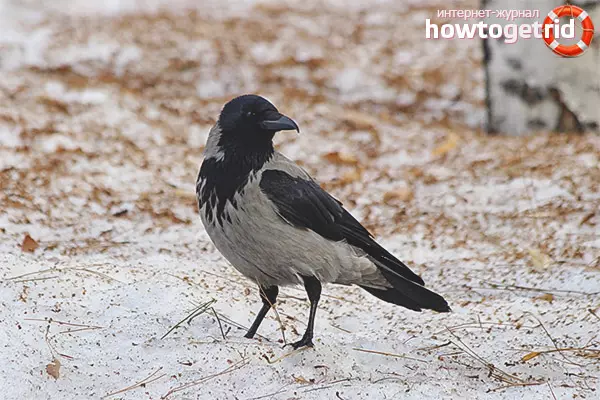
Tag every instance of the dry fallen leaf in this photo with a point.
(350, 176)
(185, 194)
(24, 294)
(546, 297)
(587, 218)
(415, 172)
(53, 369)
(539, 259)
(359, 120)
(449, 144)
(302, 380)
(529, 356)
(337, 157)
(54, 104)
(404, 194)
(29, 244)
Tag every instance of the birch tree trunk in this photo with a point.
(529, 88)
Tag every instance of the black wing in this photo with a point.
(304, 204)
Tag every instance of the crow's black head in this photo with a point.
(251, 120)
(242, 144)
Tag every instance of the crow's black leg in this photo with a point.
(268, 294)
(313, 289)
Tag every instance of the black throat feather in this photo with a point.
(221, 178)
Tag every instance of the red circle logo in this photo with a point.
(568, 11)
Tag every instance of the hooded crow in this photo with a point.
(277, 226)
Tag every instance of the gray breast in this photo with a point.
(268, 250)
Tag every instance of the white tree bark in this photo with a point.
(529, 88)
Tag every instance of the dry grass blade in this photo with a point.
(238, 325)
(270, 395)
(19, 278)
(493, 371)
(51, 347)
(189, 281)
(98, 273)
(243, 362)
(530, 356)
(279, 321)
(383, 353)
(502, 286)
(201, 309)
(551, 391)
(48, 338)
(219, 321)
(35, 279)
(512, 385)
(439, 346)
(341, 329)
(75, 330)
(556, 349)
(585, 352)
(54, 321)
(43, 271)
(286, 355)
(149, 379)
(328, 385)
(482, 325)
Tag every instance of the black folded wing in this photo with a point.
(304, 204)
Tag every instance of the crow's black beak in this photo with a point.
(279, 122)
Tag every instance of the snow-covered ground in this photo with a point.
(103, 115)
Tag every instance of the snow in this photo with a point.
(103, 115)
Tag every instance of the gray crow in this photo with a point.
(277, 226)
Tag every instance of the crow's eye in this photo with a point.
(250, 114)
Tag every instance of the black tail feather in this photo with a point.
(394, 297)
(409, 294)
